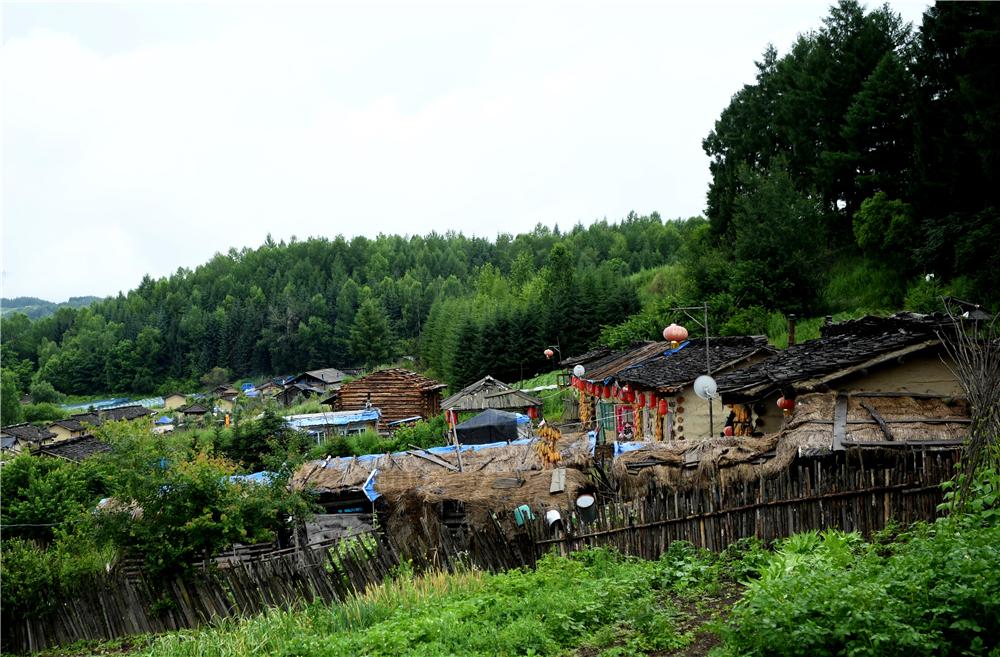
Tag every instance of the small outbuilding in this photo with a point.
(490, 393)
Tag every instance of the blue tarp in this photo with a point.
(164, 420)
(255, 478)
(332, 419)
(369, 487)
(622, 447)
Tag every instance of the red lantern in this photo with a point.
(728, 431)
(675, 333)
(449, 417)
(786, 404)
(652, 401)
(606, 392)
(661, 407)
(630, 397)
(640, 399)
(549, 353)
(532, 412)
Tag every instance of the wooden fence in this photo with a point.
(841, 491)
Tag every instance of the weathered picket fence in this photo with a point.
(841, 492)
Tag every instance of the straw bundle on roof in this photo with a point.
(352, 472)
(499, 491)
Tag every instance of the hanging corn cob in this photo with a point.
(545, 446)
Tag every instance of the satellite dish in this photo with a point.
(705, 387)
(578, 371)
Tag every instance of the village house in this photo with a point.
(23, 436)
(325, 379)
(489, 393)
(129, 413)
(872, 358)
(74, 426)
(335, 423)
(173, 401)
(297, 391)
(646, 392)
(400, 395)
(194, 412)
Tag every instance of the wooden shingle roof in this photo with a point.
(27, 432)
(487, 393)
(843, 349)
(676, 368)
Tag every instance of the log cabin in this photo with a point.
(399, 393)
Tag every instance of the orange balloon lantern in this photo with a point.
(675, 334)
(549, 353)
(728, 431)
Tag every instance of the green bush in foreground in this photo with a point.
(936, 591)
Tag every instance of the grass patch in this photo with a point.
(552, 400)
(596, 598)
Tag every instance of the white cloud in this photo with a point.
(128, 158)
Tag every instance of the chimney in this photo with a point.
(791, 329)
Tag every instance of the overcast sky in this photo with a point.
(138, 138)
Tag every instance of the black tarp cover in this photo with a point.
(490, 426)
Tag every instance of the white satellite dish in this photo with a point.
(578, 371)
(705, 387)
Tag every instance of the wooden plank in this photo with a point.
(839, 422)
(952, 442)
(427, 456)
(878, 418)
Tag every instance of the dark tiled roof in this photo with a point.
(846, 345)
(125, 413)
(681, 367)
(327, 375)
(76, 449)
(88, 418)
(28, 432)
(194, 409)
(583, 359)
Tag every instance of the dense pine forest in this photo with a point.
(857, 173)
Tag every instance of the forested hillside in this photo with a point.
(857, 173)
(36, 308)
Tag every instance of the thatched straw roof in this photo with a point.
(342, 474)
(498, 491)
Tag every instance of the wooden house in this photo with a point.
(489, 393)
(173, 401)
(898, 356)
(400, 394)
(324, 379)
(646, 392)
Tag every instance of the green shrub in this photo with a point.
(937, 592)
